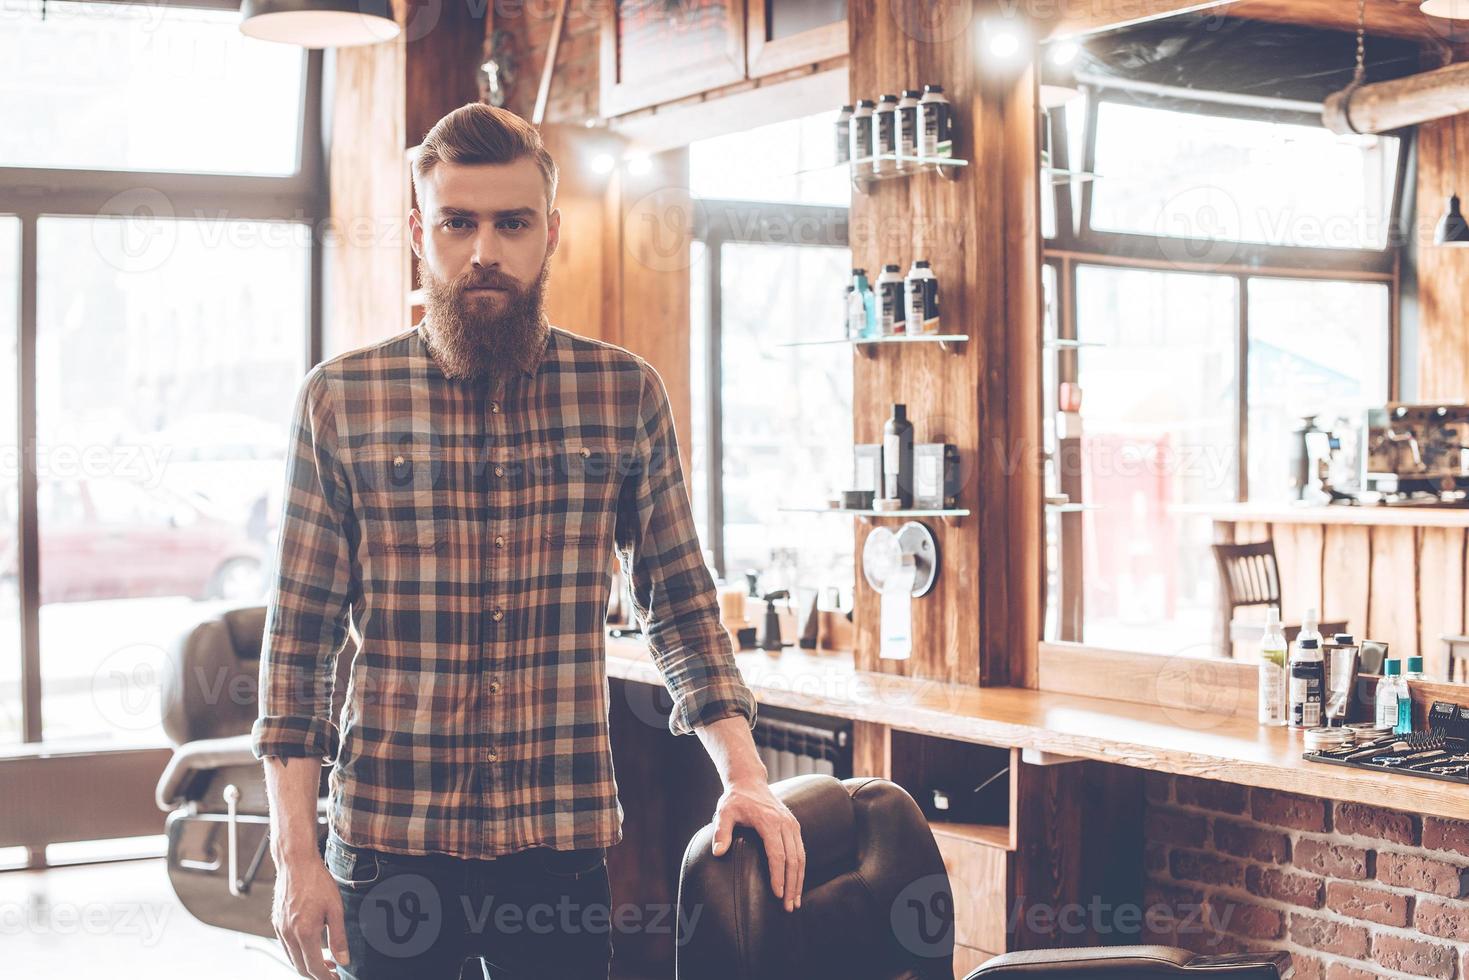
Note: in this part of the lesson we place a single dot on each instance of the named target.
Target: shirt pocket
(577, 482)
(404, 503)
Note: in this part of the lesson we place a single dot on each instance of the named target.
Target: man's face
(484, 240)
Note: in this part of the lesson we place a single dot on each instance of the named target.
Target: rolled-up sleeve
(673, 594)
(306, 622)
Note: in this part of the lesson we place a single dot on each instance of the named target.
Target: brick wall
(1353, 891)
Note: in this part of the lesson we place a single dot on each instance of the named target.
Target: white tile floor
(122, 921)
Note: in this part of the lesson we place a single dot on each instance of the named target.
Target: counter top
(1361, 516)
(1160, 739)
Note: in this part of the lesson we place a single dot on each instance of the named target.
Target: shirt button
(495, 407)
(492, 755)
(585, 452)
(499, 470)
(499, 541)
(494, 687)
(497, 615)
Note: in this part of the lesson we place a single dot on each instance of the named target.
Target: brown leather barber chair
(876, 905)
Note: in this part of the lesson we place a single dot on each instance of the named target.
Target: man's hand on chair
(749, 802)
(306, 902)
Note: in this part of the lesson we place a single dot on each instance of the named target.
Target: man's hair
(480, 133)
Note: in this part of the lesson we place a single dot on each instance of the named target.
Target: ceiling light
(603, 163)
(1452, 228)
(319, 23)
(1447, 9)
(1064, 53)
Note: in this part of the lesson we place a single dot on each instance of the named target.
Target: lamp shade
(1449, 9)
(319, 23)
(1452, 228)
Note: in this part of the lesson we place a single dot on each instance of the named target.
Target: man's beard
(472, 341)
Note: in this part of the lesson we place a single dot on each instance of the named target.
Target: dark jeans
(537, 913)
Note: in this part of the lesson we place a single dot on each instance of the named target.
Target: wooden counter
(1163, 740)
(1392, 573)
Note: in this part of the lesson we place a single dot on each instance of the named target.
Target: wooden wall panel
(1443, 273)
(963, 628)
(1441, 555)
(1345, 579)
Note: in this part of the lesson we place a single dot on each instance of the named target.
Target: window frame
(31, 193)
(1076, 243)
(719, 222)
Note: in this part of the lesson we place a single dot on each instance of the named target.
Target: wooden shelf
(989, 835)
(951, 342)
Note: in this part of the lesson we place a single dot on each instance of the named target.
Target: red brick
(1247, 919)
(1284, 886)
(1374, 821)
(1207, 868)
(1423, 874)
(1175, 827)
(1440, 834)
(1446, 920)
(1307, 967)
(1157, 787)
(1290, 810)
(1332, 860)
(1328, 936)
(1366, 902)
(1249, 841)
(1424, 959)
(1210, 794)
(1155, 857)
(1345, 971)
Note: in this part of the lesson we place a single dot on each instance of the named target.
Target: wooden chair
(1250, 577)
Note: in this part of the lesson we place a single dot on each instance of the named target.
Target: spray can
(844, 134)
(908, 129)
(1307, 684)
(922, 299)
(861, 129)
(936, 123)
(885, 128)
(892, 312)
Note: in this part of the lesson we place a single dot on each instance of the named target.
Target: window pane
(168, 356)
(10, 690)
(1189, 175)
(1317, 349)
(788, 437)
(1159, 415)
(115, 86)
(789, 162)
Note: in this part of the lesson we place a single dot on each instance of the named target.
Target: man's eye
(451, 221)
(517, 222)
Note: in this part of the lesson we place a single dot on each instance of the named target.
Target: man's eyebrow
(445, 211)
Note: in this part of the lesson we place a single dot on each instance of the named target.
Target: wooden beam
(1059, 20)
(1383, 106)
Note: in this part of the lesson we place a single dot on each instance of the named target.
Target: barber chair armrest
(201, 755)
(1133, 963)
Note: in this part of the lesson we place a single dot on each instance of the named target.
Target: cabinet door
(656, 51)
(784, 34)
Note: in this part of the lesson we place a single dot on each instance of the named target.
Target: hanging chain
(1360, 72)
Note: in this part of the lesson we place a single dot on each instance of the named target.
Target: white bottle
(861, 129)
(892, 311)
(908, 129)
(921, 296)
(1386, 714)
(1272, 671)
(935, 124)
(885, 135)
(1310, 628)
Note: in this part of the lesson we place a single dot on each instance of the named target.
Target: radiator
(794, 743)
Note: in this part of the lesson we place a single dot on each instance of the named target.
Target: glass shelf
(1060, 176)
(947, 167)
(1071, 508)
(1071, 344)
(948, 514)
(948, 341)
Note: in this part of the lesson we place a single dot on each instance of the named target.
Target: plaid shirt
(468, 533)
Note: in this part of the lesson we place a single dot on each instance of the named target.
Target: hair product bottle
(897, 457)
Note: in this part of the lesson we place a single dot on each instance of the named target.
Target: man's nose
(486, 248)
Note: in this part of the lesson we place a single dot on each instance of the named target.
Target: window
(114, 86)
(167, 357)
(1159, 404)
(1318, 348)
(772, 424)
(170, 331)
(10, 697)
(1218, 178)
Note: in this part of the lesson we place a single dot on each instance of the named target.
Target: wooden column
(979, 623)
(1443, 273)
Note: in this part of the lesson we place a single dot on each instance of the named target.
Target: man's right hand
(306, 902)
